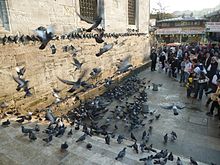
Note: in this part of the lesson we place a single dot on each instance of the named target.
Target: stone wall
(26, 15)
(42, 68)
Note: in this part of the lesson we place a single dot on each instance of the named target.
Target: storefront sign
(187, 31)
(213, 26)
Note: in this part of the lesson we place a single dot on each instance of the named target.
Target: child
(189, 85)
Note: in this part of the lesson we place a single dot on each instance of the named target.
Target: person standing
(153, 58)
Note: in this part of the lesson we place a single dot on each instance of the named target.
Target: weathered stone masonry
(42, 68)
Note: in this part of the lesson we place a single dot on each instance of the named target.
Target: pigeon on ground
(32, 136)
(48, 139)
(37, 128)
(81, 138)
(173, 136)
(70, 132)
(121, 154)
(95, 23)
(147, 161)
(170, 156)
(6, 123)
(143, 135)
(133, 137)
(192, 161)
(161, 161)
(64, 146)
(179, 162)
(157, 116)
(107, 139)
(25, 130)
(89, 146)
(49, 116)
(120, 139)
(165, 138)
(44, 35)
(105, 48)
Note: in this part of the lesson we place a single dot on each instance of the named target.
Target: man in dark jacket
(153, 58)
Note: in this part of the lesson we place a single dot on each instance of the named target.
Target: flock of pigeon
(45, 35)
(87, 117)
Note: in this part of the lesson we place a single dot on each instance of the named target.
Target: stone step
(100, 153)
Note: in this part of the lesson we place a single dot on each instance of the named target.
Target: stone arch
(4, 20)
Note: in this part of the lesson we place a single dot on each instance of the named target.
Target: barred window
(88, 8)
(131, 12)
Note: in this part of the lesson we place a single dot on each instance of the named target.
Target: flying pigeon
(105, 48)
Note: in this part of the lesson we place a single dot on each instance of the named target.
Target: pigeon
(89, 146)
(150, 148)
(32, 136)
(21, 120)
(22, 84)
(147, 137)
(151, 121)
(6, 123)
(192, 161)
(81, 138)
(49, 116)
(44, 35)
(150, 129)
(121, 154)
(99, 36)
(25, 130)
(95, 23)
(165, 138)
(161, 162)
(53, 49)
(64, 146)
(107, 139)
(135, 147)
(48, 139)
(56, 95)
(133, 137)
(170, 156)
(37, 128)
(143, 135)
(179, 162)
(77, 64)
(95, 72)
(105, 48)
(124, 66)
(120, 139)
(20, 71)
(173, 136)
(75, 85)
(70, 132)
(147, 161)
(173, 107)
(157, 116)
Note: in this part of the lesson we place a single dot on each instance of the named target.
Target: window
(131, 12)
(4, 20)
(88, 8)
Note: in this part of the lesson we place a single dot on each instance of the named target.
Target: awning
(187, 31)
(213, 26)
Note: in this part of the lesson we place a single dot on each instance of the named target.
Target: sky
(181, 5)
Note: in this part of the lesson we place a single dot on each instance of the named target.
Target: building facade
(43, 68)
(181, 29)
(213, 26)
(24, 16)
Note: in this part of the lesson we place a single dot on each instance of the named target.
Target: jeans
(199, 90)
(182, 77)
(215, 105)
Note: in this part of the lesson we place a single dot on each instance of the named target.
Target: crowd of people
(197, 68)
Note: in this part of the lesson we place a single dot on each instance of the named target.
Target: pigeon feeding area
(119, 127)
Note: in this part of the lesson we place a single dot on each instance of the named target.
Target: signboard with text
(213, 26)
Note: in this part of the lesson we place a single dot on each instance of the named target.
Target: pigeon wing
(67, 81)
(18, 80)
(85, 19)
(76, 61)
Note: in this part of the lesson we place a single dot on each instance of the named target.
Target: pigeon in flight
(20, 71)
(95, 72)
(173, 107)
(75, 85)
(44, 35)
(22, 83)
(95, 22)
(56, 95)
(124, 66)
(105, 48)
(77, 64)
